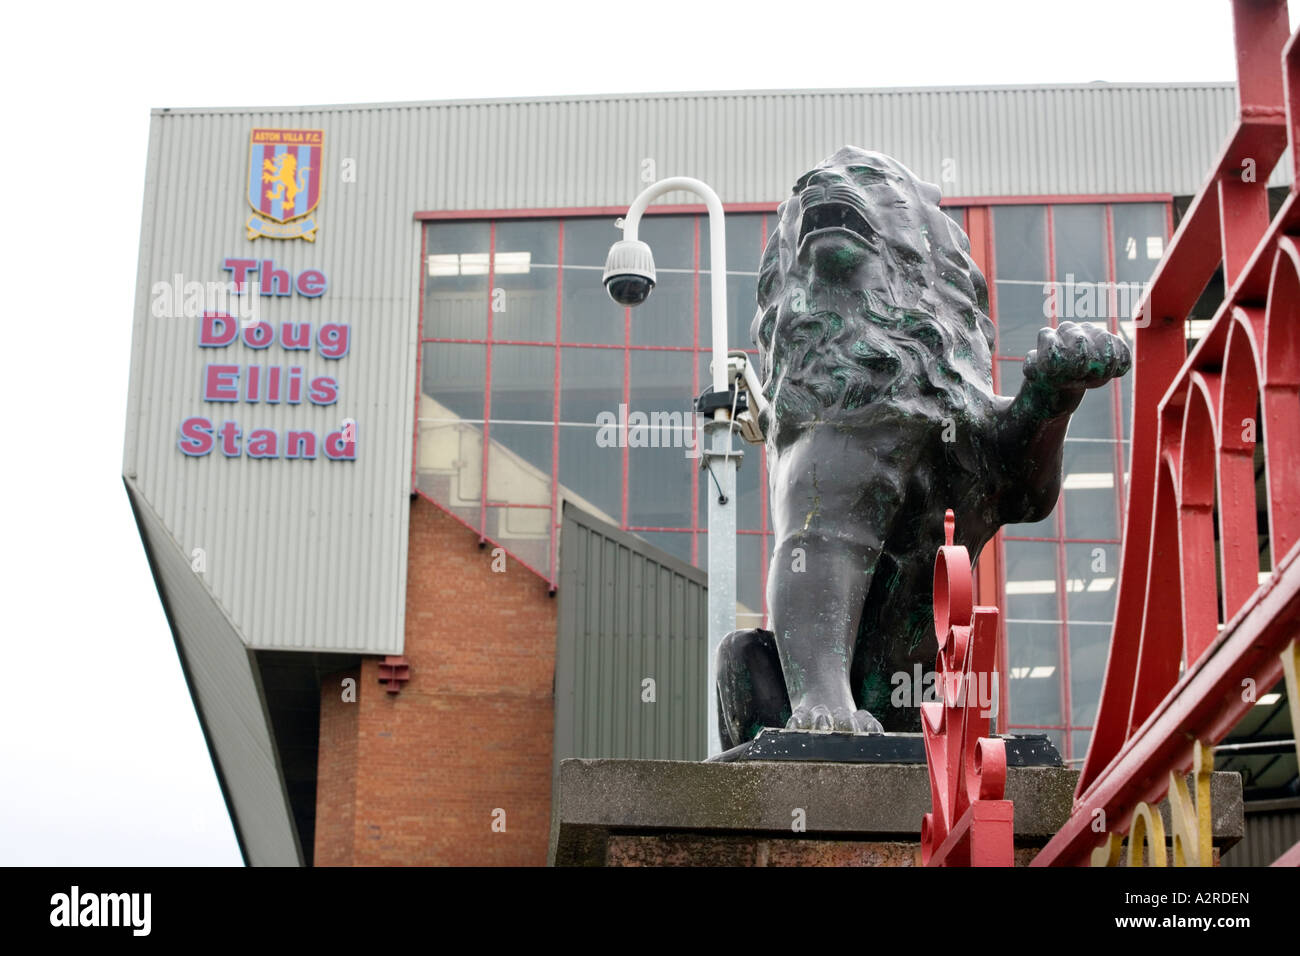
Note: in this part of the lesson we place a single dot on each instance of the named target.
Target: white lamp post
(629, 277)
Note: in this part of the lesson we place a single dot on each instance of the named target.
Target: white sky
(101, 756)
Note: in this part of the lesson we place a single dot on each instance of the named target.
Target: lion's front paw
(1080, 355)
(823, 719)
(864, 723)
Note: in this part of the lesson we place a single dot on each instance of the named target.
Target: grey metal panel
(627, 611)
(300, 554)
(1003, 141)
(1269, 833)
(224, 684)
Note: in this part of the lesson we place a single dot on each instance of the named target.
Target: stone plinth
(679, 813)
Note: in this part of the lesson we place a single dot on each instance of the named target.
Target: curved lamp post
(629, 278)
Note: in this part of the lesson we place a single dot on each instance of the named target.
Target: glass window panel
(523, 383)
(540, 238)
(1089, 490)
(1139, 238)
(661, 381)
(668, 316)
(744, 248)
(587, 242)
(1089, 645)
(1034, 679)
(1092, 576)
(522, 532)
(456, 282)
(449, 462)
(519, 466)
(589, 313)
(676, 543)
(1079, 740)
(1020, 242)
(1095, 416)
(591, 475)
(659, 478)
(1079, 244)
(454, 376)
(591, 382)
(591, 460)
(1020, 316)
(524, 278)
(744, 242)
(671, 239)
(1031, 581)
(957, 214)
(741, 306)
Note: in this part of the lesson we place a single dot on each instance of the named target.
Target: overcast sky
(101, 756)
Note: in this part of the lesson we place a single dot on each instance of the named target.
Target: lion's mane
(920, 335)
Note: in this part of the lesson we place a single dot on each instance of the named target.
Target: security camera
(629, 272)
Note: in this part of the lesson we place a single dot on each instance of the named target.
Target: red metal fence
(1177, 679)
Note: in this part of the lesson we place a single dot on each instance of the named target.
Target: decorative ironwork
(971, 824)
(1176, 679)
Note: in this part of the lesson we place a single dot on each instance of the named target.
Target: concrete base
(1022, 750)
(680, 813)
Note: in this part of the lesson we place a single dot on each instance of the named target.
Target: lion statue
(876, 360)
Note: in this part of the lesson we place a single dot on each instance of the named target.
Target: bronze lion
(876, 360)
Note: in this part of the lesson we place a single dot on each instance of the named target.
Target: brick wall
(336, 772)
(469, 734)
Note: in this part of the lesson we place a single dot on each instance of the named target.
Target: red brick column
(471, 732)
(336, 773)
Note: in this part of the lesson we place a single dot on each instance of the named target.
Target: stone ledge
(866, 803)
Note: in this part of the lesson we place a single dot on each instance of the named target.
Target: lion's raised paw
(1079, 354)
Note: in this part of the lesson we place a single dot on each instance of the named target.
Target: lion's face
(849, 212)
(866, 283)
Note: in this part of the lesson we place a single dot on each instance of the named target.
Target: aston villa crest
(284, 181)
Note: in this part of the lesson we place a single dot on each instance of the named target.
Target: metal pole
(719, 458)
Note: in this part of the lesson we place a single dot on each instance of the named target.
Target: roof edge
(1095, 86)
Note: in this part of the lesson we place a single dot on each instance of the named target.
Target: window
(525, 357)
(1083, 263)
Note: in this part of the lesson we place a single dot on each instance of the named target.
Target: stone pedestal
(791, 813)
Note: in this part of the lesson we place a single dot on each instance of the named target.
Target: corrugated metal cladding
(629, 613)
(750, 146)
(299, 554)
(1271, 830)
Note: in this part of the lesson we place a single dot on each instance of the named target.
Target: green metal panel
(628, 612)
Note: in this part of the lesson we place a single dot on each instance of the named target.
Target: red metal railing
(971, 823)
(1175, 676)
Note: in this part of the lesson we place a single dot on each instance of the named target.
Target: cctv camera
(629, 272)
